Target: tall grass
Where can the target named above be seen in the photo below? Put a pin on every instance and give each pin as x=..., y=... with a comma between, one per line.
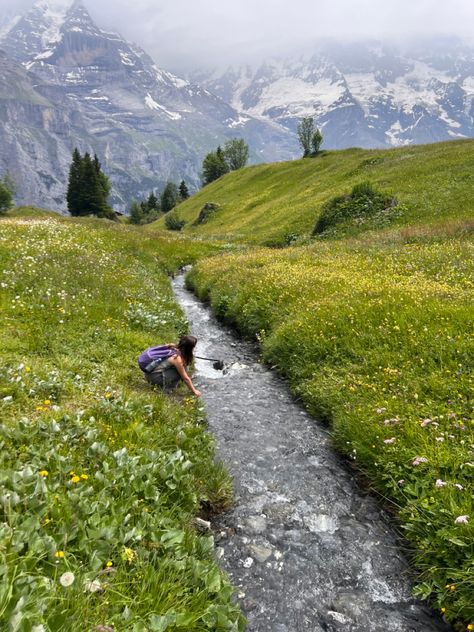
x=100, y=477
x=376, y=337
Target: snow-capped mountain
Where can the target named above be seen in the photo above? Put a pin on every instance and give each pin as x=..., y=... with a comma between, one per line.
x=363, y=94
x=92, y=89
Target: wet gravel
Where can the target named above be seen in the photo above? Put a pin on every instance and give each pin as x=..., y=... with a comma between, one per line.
x=307, y=549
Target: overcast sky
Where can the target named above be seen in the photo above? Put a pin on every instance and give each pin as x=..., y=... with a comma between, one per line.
x=182, y=34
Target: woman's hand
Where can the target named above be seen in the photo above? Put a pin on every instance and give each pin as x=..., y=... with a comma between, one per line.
x=178, y=363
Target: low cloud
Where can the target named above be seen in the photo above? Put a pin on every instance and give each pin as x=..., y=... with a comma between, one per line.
x=182, y=35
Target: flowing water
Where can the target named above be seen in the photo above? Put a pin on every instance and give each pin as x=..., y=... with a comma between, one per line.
x=306, y=547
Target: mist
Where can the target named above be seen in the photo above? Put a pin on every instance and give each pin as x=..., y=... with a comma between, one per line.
x=181, y=35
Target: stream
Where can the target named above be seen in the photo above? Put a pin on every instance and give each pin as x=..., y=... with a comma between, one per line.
x=305, y=546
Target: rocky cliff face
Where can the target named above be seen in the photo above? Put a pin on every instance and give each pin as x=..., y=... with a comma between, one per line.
x=89, y=88
x=363, y=94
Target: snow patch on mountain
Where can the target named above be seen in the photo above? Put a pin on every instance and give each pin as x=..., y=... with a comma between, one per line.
x=153, y=105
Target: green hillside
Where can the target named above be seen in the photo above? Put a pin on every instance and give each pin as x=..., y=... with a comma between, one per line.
x=268, y=203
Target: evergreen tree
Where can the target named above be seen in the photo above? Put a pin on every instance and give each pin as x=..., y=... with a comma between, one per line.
x=316, y=142
x=136, y=213
x=305, y=132
x=169, y=197
x=152, y=202
x=236, y=153
x=214, y=166
x=6, y=195
x=74, y=190
x=183, y=190
x=88, y=187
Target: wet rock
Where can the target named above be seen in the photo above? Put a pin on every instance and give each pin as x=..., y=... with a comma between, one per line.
x=260, y=553
x=321, y=523
x=256, y=524
x=248, y=562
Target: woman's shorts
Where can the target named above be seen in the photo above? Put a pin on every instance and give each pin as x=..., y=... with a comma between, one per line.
x=167, y=379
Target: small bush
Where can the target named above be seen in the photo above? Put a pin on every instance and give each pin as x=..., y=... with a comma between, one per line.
x=206, y=212
x=173, y=222
x=363, y=201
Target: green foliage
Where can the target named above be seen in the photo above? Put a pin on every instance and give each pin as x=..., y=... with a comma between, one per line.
x=6, y=195
x=305, y=131
x=372, y=336
x=214, y=166
x=88, y=187
x=266, y=202
x=363, y=201
x=169, y=197
x=183, y=191
x=316, y=142
x=236, y=153
x=209, y=209
x=153, y=203
x=173, y=221
x=100, y=476
x=136, y=213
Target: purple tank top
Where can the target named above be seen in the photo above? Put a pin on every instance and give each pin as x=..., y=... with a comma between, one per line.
x=155, y=353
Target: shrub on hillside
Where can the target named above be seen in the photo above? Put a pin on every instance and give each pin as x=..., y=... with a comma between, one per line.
x=363, y=201
x=207, y=210
x=173, y=222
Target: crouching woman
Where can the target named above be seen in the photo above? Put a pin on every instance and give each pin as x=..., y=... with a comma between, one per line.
x=165, y=365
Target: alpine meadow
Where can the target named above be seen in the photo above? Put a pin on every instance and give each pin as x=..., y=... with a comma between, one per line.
x=369, y=320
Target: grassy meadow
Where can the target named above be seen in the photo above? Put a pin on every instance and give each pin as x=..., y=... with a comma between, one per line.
x=376, y=338
x=101, y=476
x=371, y=322
x=274, y=204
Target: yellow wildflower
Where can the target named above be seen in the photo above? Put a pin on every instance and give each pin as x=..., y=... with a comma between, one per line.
x=470, y=626
x=59, y=554
x=109, y=564
x=442, y=610
x=44, y=473
x=27, y=369
x=75, y=479
x=40, y=408
x=108, y=395
x=84, y=477
x=47, y=402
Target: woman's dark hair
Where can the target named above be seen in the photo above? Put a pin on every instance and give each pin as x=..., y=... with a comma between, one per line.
x=185, y=347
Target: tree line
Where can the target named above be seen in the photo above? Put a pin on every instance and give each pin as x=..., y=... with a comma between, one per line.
x=89, y=187
x=150, y=209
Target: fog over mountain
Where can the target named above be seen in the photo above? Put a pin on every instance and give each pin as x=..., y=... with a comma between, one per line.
x=181, y=35
x=67, y=79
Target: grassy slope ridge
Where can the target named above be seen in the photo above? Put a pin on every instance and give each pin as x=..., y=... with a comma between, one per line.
x=373, y=332
x=100, y=477
x=266, y=203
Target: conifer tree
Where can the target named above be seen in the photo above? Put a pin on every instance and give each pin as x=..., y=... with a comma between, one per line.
x=6, y=195
x=183, y=190
x=169, y=197
x=74, y=191
x=88, y=187
x=136, y=213
x=152, y=202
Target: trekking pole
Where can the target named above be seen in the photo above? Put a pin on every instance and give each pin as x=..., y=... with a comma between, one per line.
x=218, y=364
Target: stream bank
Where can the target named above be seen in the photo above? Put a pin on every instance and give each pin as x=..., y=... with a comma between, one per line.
x=306, y=548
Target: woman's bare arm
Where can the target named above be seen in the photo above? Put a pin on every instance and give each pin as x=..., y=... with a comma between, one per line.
x=177, y=362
